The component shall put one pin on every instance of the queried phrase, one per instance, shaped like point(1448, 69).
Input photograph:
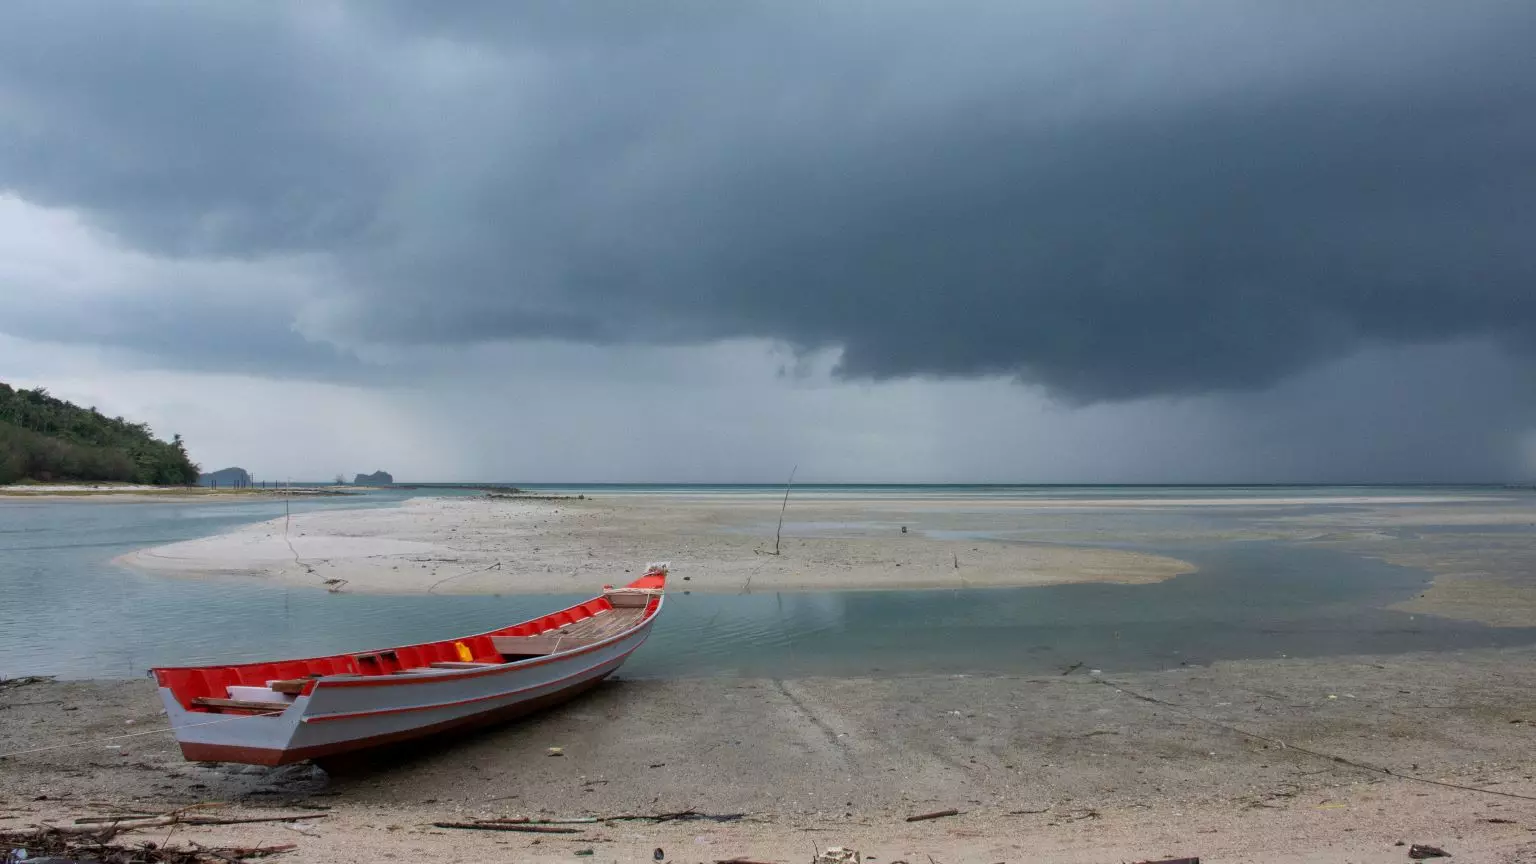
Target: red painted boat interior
point(191, 682)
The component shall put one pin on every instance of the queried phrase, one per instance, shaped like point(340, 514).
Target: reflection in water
point(1248, 600)
point(64, 610)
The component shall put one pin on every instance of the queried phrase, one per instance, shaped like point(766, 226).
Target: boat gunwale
point(349, 680)
point(403, 709)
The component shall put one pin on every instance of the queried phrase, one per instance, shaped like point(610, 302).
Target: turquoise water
point(66, 610)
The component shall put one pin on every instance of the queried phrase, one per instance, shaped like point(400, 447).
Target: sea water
point(66, 610)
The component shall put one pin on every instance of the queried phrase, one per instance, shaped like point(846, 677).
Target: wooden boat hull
point(344, 713)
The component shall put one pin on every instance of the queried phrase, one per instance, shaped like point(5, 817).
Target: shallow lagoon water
point(65, 610)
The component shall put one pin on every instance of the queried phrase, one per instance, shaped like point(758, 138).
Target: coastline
point(134, 492)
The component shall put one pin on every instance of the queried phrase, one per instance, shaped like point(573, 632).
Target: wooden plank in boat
point(625, 599)
point(293, 686)
point(608, 628)
point(605, 624)
point(239, 704)
point(539, 644)
point(460, 664)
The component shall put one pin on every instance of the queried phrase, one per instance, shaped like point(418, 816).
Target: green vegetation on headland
point(43, 438)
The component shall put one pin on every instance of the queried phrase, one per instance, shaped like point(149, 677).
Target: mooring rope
point(1363, 766)
point(138, 734)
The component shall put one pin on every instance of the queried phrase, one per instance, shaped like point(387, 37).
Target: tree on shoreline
point(43, 438)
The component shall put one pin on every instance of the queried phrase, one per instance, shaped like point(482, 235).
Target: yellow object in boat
point(464, 653)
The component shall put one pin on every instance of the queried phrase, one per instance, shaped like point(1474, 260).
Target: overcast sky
point(900, 241)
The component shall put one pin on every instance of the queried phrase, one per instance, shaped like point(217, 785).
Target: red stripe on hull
point(271, 756)
point(435, 706)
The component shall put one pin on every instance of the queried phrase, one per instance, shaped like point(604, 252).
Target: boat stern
point(251, 736)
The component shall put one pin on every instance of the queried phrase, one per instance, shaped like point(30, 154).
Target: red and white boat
point(282, 712)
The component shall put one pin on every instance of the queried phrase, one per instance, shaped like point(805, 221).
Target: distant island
point(377, 478)
point(226, 478)
point(46, 439)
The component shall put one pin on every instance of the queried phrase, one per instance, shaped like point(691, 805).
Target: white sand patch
point(496, 546)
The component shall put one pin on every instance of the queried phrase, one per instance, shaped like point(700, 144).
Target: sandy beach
point(1322, 760)
point(1057, 768)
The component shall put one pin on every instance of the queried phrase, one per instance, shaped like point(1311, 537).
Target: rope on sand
point(134, 734)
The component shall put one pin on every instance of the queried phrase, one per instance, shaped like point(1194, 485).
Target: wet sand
point(503, 545)
point(1483, 556)
point(1056, 768)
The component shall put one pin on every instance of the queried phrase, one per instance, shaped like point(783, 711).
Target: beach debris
point(47, 843)
point(9, 683)
point(302, 828)
point(557, 751)
point(659, 855)
point(1500, 821)
point(1172, 861)
point(937, 814)
point(903, 529)
point(838, 855)
point(556, 824)
point(493, 825)
point(1420, 851)
point(114, 825)
point(1079, 815)
point(739, 860)
point(584, 852)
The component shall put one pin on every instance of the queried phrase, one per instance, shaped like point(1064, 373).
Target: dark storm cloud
point(1113, 201)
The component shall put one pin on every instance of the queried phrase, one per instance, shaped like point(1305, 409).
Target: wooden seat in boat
point(239, 704)
point(627, 599)
point(603, 624)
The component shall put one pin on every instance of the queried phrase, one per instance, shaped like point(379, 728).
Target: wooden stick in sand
point(782, 507)
point(937, 814)
point(506, 826)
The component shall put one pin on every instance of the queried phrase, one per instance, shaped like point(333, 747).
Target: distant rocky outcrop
point(226, 478)
point(377, 478)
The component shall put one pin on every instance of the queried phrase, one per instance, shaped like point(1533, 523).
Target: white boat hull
point(348, 713)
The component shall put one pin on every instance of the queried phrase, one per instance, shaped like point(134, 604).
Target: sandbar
point(495, 545)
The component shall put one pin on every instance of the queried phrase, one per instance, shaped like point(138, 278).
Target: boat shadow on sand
point(517, 740)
